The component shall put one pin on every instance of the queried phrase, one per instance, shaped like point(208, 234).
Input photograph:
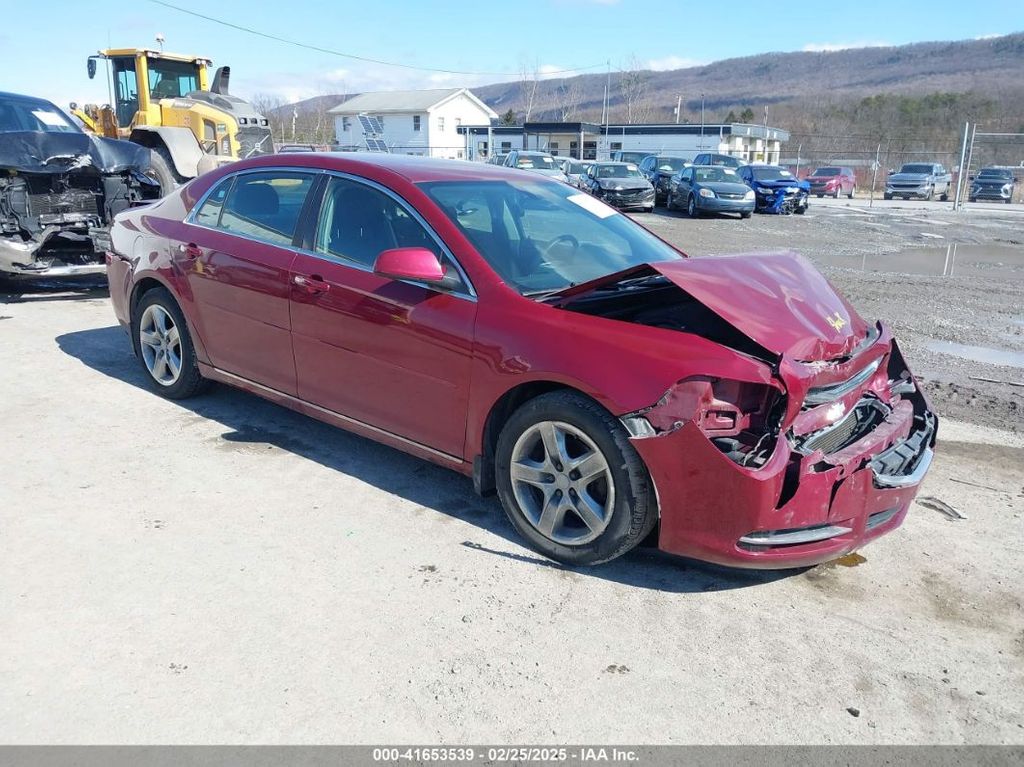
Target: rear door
point(237, 257)
point(392, 354)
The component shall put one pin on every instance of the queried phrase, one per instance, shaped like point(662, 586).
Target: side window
point(266, 206)
point(358, 222)
point(209, 213)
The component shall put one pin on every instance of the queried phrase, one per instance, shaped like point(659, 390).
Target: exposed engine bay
point(58, 194)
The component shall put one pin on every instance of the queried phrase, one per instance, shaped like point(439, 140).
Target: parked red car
point(525, 334)
point(833, 181)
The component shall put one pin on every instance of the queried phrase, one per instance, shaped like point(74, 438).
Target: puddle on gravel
point(983, 354)
point(953, 260)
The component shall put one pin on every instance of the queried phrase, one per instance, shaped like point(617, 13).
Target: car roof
point(411, 167)
point(7, 96)
point(613, 162)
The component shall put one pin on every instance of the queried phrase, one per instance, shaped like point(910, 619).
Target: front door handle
point(313, 285)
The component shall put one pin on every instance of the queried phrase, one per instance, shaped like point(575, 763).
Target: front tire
point(691, 207)
point(164, 346)
point(853, 191)
point(570, 481)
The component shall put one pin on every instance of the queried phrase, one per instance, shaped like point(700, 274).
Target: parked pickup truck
point(919, 179)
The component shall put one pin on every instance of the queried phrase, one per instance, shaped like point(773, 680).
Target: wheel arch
point(484, 482)
point(180, 144)
point(144, 284)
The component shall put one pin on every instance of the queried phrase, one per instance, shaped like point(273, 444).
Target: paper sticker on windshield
point(49, 118)
point(729, 171)
point(591, 205)
point(631, 167)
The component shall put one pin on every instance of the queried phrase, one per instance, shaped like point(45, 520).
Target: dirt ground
point(222, 570)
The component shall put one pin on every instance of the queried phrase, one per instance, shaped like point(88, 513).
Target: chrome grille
point(864, 417)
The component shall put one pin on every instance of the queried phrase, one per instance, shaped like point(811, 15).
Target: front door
point(237, 254)
point(395, 355)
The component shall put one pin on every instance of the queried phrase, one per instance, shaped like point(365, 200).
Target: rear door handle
point(313, 285)
point(191, 251)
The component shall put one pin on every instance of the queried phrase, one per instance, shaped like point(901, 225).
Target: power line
point(353, 56)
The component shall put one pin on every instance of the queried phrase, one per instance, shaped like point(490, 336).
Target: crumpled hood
point(783, 183)
point(46, 152)
point(624, 183)
point(778, 300)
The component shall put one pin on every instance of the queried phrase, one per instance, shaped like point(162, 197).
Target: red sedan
point(517, 330)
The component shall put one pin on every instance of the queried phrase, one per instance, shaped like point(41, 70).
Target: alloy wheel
point(562, 483)
point(160, 344)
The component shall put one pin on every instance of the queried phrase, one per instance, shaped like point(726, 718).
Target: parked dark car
point(722, 160)
point(776, 189)
point(658, 169)
point(993, 184)
point(833, 181)
point(620, 184)
point(628, 156)
point(702, 189)
point(922, 180)
point(60, 189)
point(506, 326)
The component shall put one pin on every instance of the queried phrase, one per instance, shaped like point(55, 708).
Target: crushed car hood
point(46, 152)
point(777, 183)
point(778, 300)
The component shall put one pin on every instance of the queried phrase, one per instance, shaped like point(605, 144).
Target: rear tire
point(164, 346)
point(619, 507)
point(853, 191)
point(747, 214)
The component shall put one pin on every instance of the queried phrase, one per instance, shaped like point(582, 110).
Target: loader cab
point(141, 78)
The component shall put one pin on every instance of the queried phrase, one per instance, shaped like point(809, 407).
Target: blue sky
point(48, 57)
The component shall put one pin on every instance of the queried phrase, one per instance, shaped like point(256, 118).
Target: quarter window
point(265, 206)
point(209, 212)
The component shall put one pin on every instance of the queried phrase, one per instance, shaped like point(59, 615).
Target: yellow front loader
point(165, 102)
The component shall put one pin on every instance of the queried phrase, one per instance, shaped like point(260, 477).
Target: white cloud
point(830, 47)
point(672, 62)
point(987, 37)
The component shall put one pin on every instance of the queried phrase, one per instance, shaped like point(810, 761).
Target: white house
point(413, 122)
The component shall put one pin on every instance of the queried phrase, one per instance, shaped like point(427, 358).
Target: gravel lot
point(225, 571)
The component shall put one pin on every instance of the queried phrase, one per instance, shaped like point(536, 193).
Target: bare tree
point(570, 96)
point(274, 109)
point(529, 79)
point(633, 89)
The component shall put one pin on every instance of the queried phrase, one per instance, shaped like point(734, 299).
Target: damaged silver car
point(59, 190)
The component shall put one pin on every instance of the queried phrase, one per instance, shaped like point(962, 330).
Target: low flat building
point(424, 122)
point(751, 143)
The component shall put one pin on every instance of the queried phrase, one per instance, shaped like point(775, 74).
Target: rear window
point(828, 172)
point(264, 206)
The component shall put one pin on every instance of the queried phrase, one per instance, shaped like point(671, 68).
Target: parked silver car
point(538, 162)
point(575, 170)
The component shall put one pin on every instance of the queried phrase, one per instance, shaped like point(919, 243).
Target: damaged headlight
point(740, 418)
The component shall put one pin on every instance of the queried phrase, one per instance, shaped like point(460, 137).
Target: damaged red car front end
point(821, 453)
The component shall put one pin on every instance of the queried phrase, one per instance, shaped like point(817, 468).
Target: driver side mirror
point(416, 264)
point(90, 67)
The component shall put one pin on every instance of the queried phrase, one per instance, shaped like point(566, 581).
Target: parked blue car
point(699, 189)
point(776, 189)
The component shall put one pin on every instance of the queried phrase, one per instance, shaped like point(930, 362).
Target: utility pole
point(679, 108)
point(604, 107)
point(701, 146)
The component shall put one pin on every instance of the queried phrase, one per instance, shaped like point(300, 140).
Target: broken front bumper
point(799, 508)
point(34, 258)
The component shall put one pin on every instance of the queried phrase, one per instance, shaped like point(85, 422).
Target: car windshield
point(618, 171)
point(631, 156)
point(670, 163)
point(715, 174)
point(31, 115)
point(916, 169)
point(543, 236)
point(535, 162)
point(994, 173)
point(769, 173)
point(826, 172)
point(576, 168)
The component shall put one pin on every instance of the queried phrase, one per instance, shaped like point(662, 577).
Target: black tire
point(820, 196)
point(691, 207)
point(1009, 200)
point(853, 191)
point(161, 168)
point(189, 382)
point(746, 214)
point(800, 210)
point(886, 196)
point(944, 196)
point(634, 511)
